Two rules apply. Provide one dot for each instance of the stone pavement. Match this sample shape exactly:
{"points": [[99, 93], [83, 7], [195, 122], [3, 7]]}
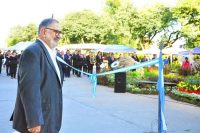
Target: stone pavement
{"points": [[108, 112]]}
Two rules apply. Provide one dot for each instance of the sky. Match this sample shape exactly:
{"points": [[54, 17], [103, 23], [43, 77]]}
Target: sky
{"points": [[23, 12]]}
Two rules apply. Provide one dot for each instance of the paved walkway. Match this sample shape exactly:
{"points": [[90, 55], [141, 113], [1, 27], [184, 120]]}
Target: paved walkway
{"points": [[108, 112]]}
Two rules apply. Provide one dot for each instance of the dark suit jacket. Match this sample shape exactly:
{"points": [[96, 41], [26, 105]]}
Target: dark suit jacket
{"points": [[39, 94], [67, 59], [99, 61], [1, 60]]}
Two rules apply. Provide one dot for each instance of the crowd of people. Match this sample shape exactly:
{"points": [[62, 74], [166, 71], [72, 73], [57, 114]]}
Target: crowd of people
{"points": [[89, 62], [81, 61], [9, 60]]}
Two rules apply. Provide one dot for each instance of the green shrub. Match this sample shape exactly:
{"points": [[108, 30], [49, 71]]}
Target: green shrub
{"points": [[150, 72], [137, 90], [134, 73], [132, 78], [110, 80], [172, 77], [193, 80], [190, 83], [185, 97], [175, 67]]}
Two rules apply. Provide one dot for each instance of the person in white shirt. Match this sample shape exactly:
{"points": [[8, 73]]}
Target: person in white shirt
{"points": [[38, 107]]}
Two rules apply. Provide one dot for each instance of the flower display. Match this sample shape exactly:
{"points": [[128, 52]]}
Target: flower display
{"points": [[188, 87]]}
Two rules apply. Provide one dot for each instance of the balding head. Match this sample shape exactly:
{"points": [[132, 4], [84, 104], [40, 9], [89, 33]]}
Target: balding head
{"points": [[46, 22], [49, 31]]}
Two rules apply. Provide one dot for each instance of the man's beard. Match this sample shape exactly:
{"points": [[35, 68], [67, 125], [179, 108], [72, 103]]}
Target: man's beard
{"points": [[53, 42]]}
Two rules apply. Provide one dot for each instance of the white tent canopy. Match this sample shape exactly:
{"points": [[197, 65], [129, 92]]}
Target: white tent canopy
{"points": [[173, 50], [82, 46], [153, 50], [23, 45], [116, 48], [100, 47], [19, 46]]}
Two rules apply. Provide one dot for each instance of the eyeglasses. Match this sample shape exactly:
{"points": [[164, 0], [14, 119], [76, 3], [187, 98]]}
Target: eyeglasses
{"points": [[57, 32]]}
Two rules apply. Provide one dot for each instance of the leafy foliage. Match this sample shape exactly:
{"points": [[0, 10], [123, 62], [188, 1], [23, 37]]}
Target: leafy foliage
{"points": [[121, 23], [142, 91], [82, 27], [22, 33], [187, 13], [175, 67], [190, 83], [186, 97]]}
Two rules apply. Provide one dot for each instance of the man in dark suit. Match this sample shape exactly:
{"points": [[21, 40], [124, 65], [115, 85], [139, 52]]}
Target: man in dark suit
{"points": [[67, 59], [38, 107], [90, 60], [99, 61]]}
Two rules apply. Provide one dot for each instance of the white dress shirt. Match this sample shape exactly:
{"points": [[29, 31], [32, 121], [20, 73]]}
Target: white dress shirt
{"points": [[52, 54]]}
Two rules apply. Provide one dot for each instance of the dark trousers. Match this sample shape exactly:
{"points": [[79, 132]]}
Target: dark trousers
{"points": [[67, 72], [8, 69], [13, 70], [64, 70], [90, 69], [85, 68], [74, 71], [79, 67], [0, 67], [98, 68]]}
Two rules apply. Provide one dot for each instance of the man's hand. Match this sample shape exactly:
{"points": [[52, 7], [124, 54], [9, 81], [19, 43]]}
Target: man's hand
{"points": [[35, 129]]}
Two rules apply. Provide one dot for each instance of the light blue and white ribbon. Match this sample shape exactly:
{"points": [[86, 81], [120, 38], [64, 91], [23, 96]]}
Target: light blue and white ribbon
{"points": [[160, 84], [93, 77]]}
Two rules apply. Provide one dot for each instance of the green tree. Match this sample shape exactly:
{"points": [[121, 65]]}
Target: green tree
{"points": [[148, 23], [112, 6], [187, 13], [120, 13], [22, 33], [82, 27]]}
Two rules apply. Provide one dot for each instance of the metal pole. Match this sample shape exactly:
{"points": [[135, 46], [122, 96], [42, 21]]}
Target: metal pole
{"points": [[159, 93], [159, 119]]}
